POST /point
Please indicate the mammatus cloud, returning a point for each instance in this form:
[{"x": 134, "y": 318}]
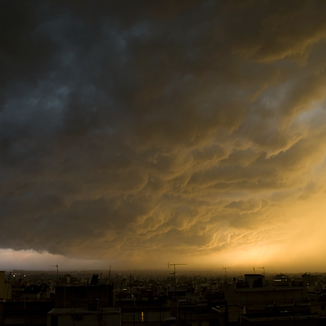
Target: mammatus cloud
[{"x": 189, "y": 131}]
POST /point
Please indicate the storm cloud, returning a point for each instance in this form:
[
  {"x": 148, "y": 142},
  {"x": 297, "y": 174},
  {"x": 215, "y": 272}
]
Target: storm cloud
[{"x": 184, "y": 129}]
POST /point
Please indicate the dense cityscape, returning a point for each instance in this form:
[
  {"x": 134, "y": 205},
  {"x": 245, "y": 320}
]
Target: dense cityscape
[{"x": 173, "y": 297}]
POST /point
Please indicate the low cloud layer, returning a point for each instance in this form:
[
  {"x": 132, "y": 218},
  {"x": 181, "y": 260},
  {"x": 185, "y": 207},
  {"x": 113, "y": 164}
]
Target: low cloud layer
[{"x": 173, "y": 131}]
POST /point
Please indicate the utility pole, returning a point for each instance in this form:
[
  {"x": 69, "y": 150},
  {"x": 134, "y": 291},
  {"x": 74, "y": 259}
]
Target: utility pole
[
  {"x": 225, "y": 268},
  {"x": 174, "y": 274},
  {"x": 57, "y": 266}
]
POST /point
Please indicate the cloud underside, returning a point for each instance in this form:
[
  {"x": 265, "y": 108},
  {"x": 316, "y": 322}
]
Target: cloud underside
[{"x": 161, "y": 130}]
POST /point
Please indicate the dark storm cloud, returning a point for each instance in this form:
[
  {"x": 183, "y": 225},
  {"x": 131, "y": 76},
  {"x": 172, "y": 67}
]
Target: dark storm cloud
[{"x": 128, "y": 128}]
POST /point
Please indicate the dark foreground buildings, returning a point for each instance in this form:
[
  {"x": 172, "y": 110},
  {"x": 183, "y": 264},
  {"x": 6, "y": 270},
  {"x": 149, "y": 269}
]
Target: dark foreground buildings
[{"x": 159, "y": 301}]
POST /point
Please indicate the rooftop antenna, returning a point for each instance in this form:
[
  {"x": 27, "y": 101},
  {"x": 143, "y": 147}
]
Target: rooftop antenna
[
  {"x": 57, "y": 266},
  {"x": 174, "y": 274},
  {"x": 225, "y": 268}
]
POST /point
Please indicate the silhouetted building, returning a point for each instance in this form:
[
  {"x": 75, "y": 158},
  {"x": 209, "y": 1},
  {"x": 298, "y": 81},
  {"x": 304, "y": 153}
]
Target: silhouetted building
[
  {"x": 83, "y": 296},
  {"x": 84, "y": 317},
  {"x": 256, "y": 298},
  {"x": 25, "y": 313},
  {"x": 5, "y": 287}
]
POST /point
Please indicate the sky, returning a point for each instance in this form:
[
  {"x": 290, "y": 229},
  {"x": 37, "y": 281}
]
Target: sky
[{"x": 136, "y": 133}]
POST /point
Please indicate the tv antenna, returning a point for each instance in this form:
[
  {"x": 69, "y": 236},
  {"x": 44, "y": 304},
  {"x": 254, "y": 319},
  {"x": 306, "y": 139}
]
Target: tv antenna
[
  {"x": 110, "y": 275},
  {"x": 225, "y": 268},
  {"x": 174, "y": 274},
  {"x": 57, "y": 266}
]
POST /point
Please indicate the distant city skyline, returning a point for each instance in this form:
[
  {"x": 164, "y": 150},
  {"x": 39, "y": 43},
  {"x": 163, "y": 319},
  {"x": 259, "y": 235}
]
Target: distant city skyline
[{"x": 134, "y": 134}]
